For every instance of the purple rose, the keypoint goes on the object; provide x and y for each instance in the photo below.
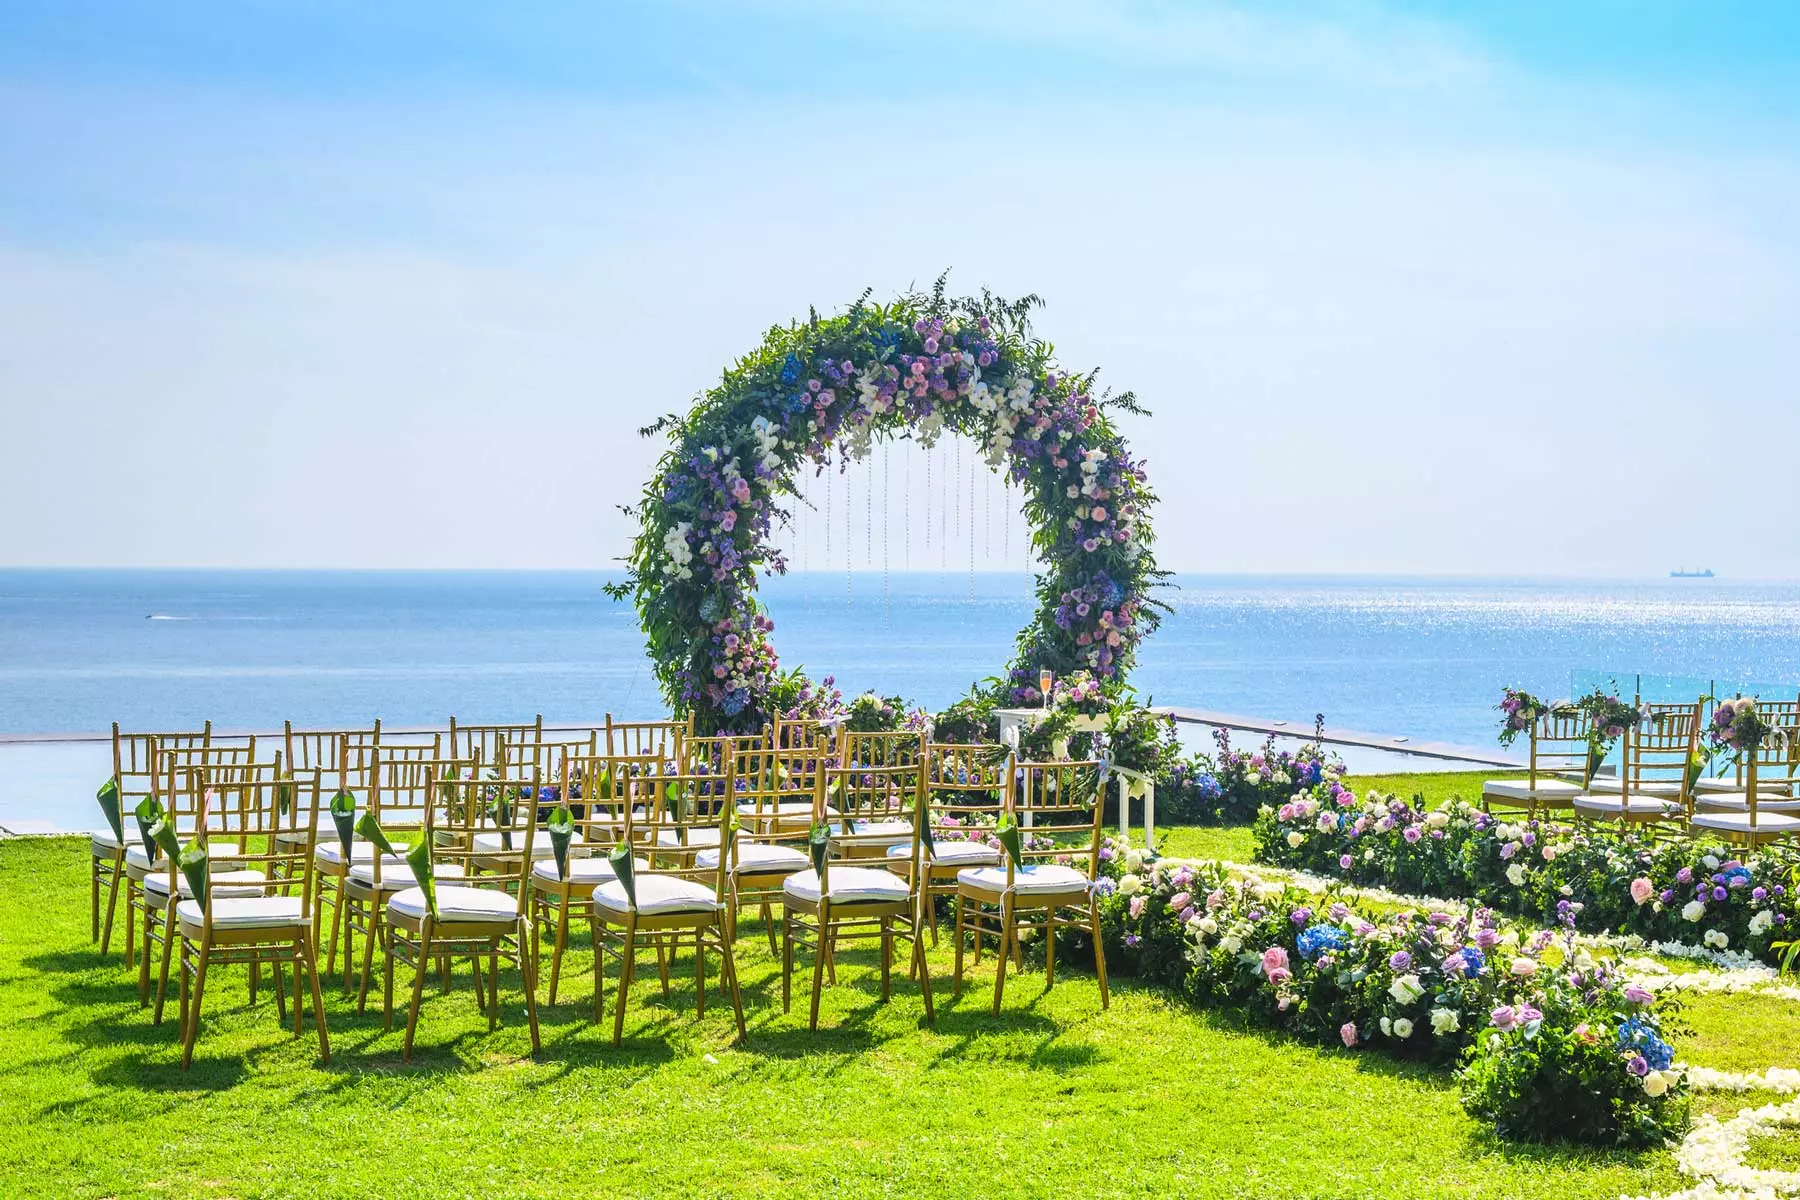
(1718, 893)
(1400, 960)
(1638, 995)
(1638, 1066)
(1685, 875)
(1412, 834)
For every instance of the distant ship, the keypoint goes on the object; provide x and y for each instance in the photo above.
(1679, 573)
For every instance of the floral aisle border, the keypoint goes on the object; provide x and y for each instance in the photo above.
(921, 366)
(1716, 1154)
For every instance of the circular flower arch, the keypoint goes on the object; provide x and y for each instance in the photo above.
(830, 388)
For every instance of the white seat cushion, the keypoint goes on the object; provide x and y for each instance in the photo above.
(1552, 791)
(953, 854)
(135, 857)
(1740, 802)
(1035, 879)
(494, 843)
(463, 905)
(396, 875)
(756, 858)
(250, 912)
(658, 895)
(583, 872)
(849, 885)
(1739, 822)
(331, 851)
(1731, 783)
(105, 845)
(1638, 806)
(247, 882)
(887, 832)
(789, 814)
(697, 835)
(1612, 785)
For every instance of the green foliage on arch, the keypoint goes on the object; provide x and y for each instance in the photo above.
(830, 388)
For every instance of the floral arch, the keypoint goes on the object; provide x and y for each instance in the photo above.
(832, 387)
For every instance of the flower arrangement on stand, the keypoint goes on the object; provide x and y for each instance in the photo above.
(1609, 717)
(1737, 727)
(1520, 710)
(1444, 988)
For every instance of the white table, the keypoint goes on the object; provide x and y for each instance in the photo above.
(1013, 723)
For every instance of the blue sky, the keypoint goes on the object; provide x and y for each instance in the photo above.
(1428, 288)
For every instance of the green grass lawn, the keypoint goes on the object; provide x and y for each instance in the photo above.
(1053, 1098)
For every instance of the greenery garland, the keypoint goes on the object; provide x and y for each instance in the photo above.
(830, 388)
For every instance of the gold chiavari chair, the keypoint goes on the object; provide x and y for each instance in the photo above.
(1754, 824)
(186, 790)
(238, 819)
(1049, 882)
(599, 799)
(829, 902)
(673, 898)
(965, 795)
(1558, 767)
(711, 755)
(765, 852)
(484, 742)
(782, 807)
(870, 802)
(546, 754)
(471, 914)
(400, 805)
(333, 853)
(1777, 761)
(221, 760)
(134, 776)
(634, 739)
(1658, 761)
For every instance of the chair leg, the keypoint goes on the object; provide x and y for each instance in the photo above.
(700, 973)
(193, 1022)
(130, 920)
(820, 954)
(337, 919)
(418, 991)
(279, 975)
(493, 984)
(663, 954)
(1049, 949)
(93, 898)
(887, 959)
(144, 962)
(562, 943)
(924, 970)
(630, 964)
(599, 970)
(1099, 950)
(529, 972)
(303, 946)
(170, 933)
(112, 904)
(1008, 935)
(956, 984)
(387, 979)
(729, 978)
(787, 960)
(374, 932)
(255, 975)
(768, 920)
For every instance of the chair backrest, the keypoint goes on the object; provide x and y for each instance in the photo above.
(759, 783)
(965, 786)
(400, 795)
(520, 757)
(798, 735)
(1659, 750)
(1559, 745)
(486, 741)
(711, 755)
(901, 748)
(667, 812)
(860, 793)
(635, 739)
(463, 806)
(237, 819)
(319, 749)
(597, 797)
(135, 765)
(1050, 793)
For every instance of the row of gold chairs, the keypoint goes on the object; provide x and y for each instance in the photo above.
(440, 847)
(1661, 780)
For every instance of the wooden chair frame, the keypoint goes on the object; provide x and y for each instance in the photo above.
(1039, 789)
(134, 767)
(965, 787)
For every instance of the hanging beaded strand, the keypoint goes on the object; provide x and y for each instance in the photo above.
(849, 526)
(906, 508)
(886, 513)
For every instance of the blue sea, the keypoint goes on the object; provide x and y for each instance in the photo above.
(1423, 657)
(1420, 657)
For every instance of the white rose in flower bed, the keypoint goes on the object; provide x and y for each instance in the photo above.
(1598, 878)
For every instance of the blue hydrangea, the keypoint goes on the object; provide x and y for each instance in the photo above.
(1473, 961)
(1209, 787)
(790, 368)
(1316, 939)
(735, 701)
(1634, 1034)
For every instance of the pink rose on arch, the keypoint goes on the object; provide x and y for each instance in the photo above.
(1642, 890)
(1137, 906)
(1275, 959)
(1179, 901)
(1503, 1018)
(1413, 833)
(1348, 1032)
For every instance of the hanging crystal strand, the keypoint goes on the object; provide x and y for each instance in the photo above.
(828, 513)
(944, 519)
(930, 453)
(973, 464)
(887, 512)
(957, 519)
(800, 505)
(869, 514)
(1006, 515)
(906, 508)
(987, 515)
(849, 526)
